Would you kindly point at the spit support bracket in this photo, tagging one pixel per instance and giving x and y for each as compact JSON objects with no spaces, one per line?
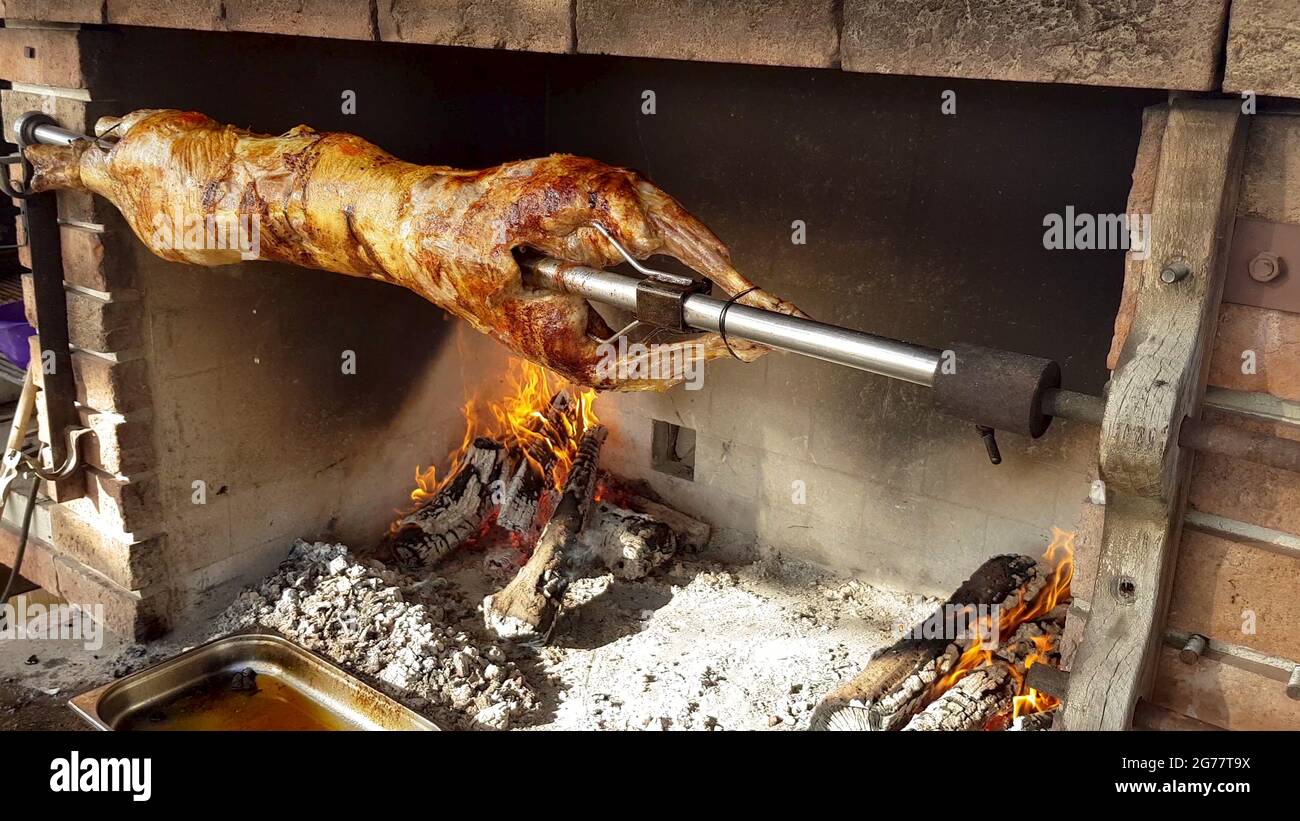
{"x":24,"y":134}
{"x":40,"y":214}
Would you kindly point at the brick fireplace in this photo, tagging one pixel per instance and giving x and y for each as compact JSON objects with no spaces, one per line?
{"x":226,"y":428}
{"x":225,"y":425}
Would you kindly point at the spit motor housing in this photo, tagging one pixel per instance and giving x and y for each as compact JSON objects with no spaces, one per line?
{"x":998,"y":389}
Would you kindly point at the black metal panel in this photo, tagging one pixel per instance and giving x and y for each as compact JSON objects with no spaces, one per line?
{"x":920,"y":226}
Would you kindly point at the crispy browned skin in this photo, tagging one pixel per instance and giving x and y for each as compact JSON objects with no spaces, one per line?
{"x":336,"y":202}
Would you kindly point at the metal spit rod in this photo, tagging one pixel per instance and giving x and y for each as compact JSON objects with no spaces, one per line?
{"x":855,"y":349}
{"x":52,"y":134}
{"x":881,"y":355}
{"x":867,"y":352}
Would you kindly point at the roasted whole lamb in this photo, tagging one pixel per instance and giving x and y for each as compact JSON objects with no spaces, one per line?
{"x":336,"y":202}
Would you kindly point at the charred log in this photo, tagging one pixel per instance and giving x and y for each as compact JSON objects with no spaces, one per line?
{"x":692,"y":534}
{"x":969,"y":703}
{"x":428,"y":534}
{"x":626,"y":543}
{"x":526,"y":609}
{"x":1034,"y":722}
{"x":1049,"y":679}
{"x":891,"y":688}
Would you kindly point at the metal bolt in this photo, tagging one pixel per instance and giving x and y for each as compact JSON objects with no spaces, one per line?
{"x":1174,"y":271}
{"x":1293,"y":686}
{"x":1191,"y":652}
{"x":1266,"y":266}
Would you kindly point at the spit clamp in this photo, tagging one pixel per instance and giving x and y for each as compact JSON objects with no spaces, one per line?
{"x":660,"y":296}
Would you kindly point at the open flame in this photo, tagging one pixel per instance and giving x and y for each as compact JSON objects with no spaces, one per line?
{"x":1060,"y":555}
{"x":525,"y":421}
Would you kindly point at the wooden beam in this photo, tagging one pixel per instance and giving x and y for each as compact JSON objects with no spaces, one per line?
{"x":1160,"y":379}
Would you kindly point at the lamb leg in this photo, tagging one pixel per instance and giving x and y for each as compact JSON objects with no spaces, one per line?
{"x":338,"y":203}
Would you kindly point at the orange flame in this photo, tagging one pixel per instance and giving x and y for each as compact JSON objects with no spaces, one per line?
{"x":520,"y":421}
{"x":1060,"y":554}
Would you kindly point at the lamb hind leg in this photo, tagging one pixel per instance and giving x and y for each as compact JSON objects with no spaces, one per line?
{"x":645,"y":221}
{"x":688,"y":241}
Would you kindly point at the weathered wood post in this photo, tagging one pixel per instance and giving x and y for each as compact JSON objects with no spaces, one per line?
{"x":1159,"y":380}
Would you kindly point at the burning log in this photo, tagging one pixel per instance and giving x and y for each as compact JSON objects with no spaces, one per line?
{"x":428,"y":534}
{"x":969,"y":703}
{"x":1048,"y":679}
{"x":629,"y":544}
{"x":1034,"y":722}
{"x":897,"y":679}
{"x":527,"y":485}
{"x":527,"y":608}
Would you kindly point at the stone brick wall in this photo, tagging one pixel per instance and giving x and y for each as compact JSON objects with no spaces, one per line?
{"x":1263,"y":53}
{"x":108,"y":541}
{"x":1165,"y":43}
{"x":1175,"y":44}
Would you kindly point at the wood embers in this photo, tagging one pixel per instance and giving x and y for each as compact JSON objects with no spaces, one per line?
{"x":964,"y":668}
{"x":509,"y":490}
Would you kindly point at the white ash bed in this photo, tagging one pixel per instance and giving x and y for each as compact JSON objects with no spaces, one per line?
{"x":697,"y":646}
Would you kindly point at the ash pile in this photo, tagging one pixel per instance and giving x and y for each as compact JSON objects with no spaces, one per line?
{"x":390,"y":627}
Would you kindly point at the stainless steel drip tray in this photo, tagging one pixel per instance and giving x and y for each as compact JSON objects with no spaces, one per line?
{"x":251,"y":680}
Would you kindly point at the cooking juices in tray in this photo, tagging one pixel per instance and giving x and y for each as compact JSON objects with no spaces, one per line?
{"x":244,"y":701}
{"x":248,"y":681}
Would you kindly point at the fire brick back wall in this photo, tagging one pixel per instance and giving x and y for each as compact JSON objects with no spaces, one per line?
{"x":250,"y":388}
{"x":919,"y":225}
{"x":227,"y":424}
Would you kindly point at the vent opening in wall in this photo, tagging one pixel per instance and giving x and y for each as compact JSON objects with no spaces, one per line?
{"x":672,"y":450}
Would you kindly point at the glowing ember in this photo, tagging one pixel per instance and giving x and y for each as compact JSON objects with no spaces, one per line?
{"x":611,"y":491}
{"x":524,"y":421}
{"x":1060,"y":555}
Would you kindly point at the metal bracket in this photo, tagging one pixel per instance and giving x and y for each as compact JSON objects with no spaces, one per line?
{"x":6,"y":184}
{"x":1264,"y":265}
{"x":661,"y":296}
{"x":662,"y":304}
{"x":59,"y":390}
